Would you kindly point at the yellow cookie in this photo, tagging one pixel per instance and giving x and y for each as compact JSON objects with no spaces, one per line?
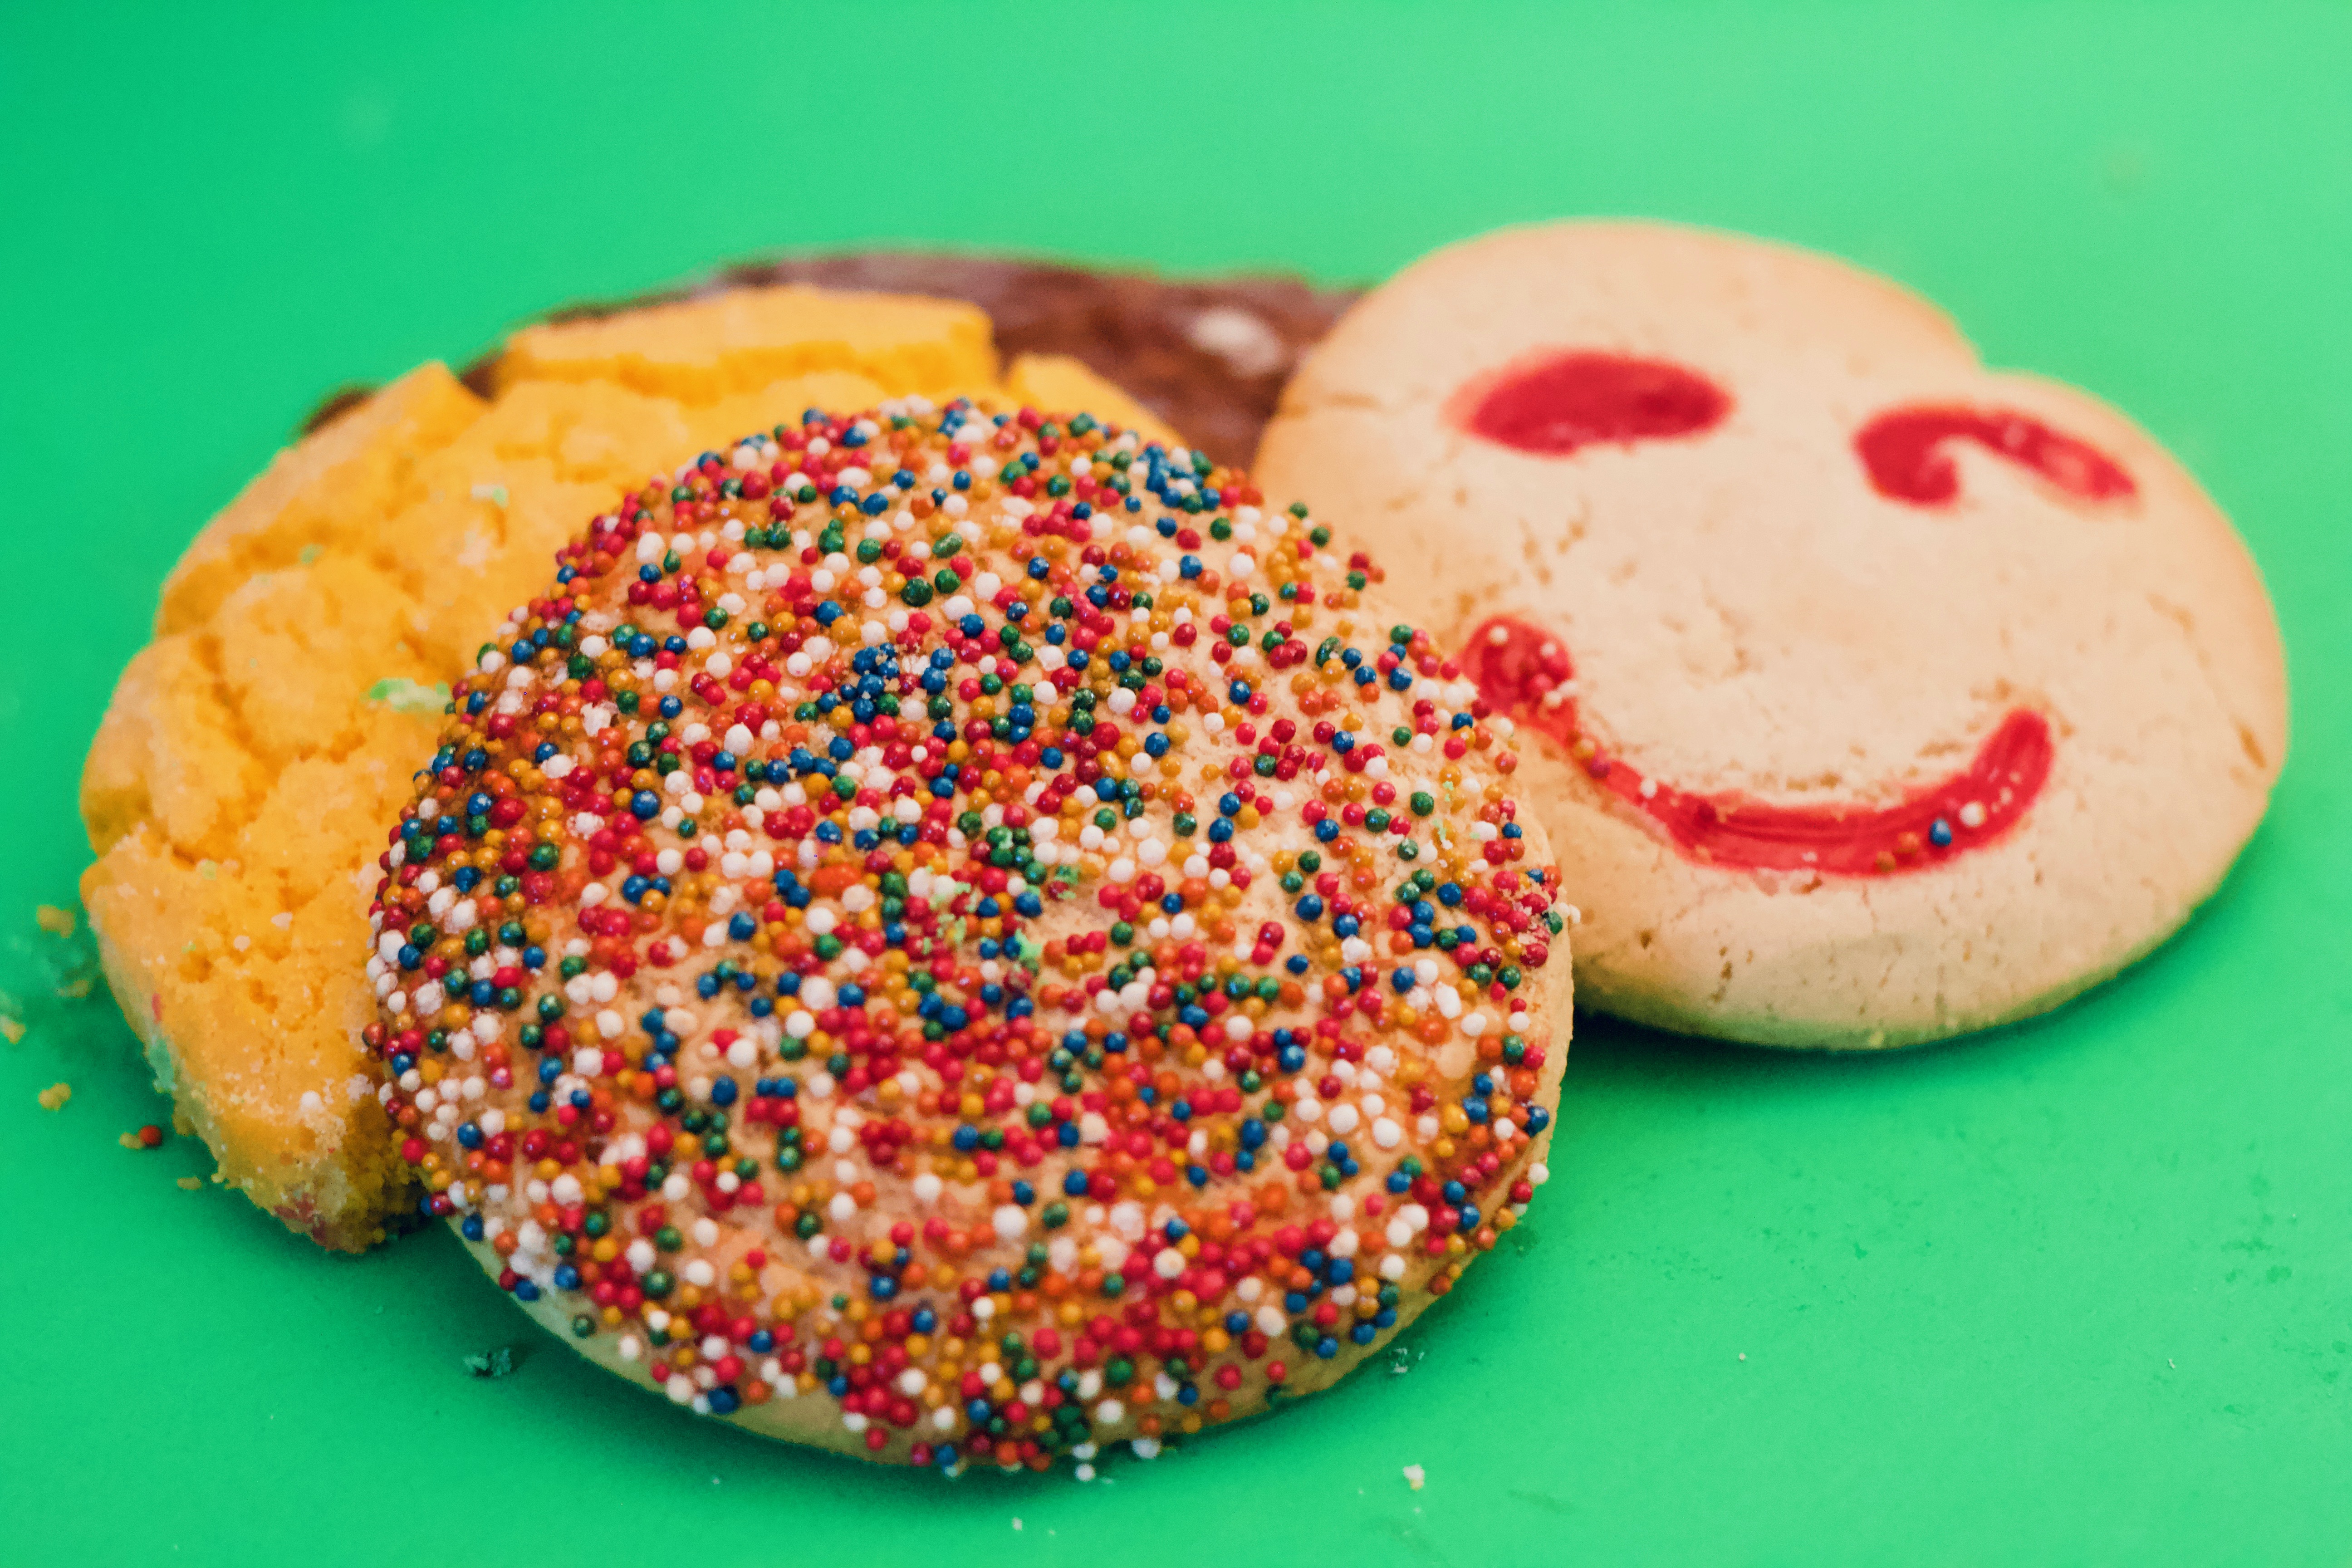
{"x":237,"y":789}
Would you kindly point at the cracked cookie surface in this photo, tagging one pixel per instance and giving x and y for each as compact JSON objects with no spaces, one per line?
{"x":237,"y":787}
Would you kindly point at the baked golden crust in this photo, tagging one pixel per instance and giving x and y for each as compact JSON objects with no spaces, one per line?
{"x":241,"y":776}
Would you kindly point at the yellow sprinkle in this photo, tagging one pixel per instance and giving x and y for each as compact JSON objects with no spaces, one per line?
{"x":55,"y":921}
{"x":53,"y":1097}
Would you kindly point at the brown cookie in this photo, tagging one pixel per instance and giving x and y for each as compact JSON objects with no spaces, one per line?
{"x":1208,"y":356}
{"x":238,"y":788}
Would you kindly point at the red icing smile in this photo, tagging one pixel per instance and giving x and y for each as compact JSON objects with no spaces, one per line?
{"x":1519,"y":667}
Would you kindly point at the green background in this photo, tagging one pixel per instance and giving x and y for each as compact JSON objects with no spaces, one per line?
{"x":2080,"y":1291}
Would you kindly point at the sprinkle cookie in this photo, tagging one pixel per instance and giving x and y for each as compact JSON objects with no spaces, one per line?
{"x":958,"y":937}
{"x":1872,"y":696}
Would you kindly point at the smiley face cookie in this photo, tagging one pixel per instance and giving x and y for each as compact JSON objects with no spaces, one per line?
{"x":1875,"y":696}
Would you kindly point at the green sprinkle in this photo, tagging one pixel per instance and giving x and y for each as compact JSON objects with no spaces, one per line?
{"x":403,"y":695}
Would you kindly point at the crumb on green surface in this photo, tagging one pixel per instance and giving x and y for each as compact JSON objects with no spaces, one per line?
{"x":39,"y":975}
{"x":53,"y":1097}
{"x":497,"y":1362}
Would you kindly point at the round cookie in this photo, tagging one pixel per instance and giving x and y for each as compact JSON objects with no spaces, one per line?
{"x":1873,"y":696}
{"x":960,"y":937}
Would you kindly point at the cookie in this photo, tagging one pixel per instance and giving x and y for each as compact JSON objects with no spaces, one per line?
{"x":955,"y":938}
{"x":1872,"y":696}
{"x":238,"y":789}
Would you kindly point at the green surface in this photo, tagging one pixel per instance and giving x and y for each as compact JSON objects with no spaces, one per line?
{"x":2078,"y":1293}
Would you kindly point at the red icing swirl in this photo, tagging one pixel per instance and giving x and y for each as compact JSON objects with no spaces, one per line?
{"x":1555,"y":402}
{"x":1521,"y":668}
{"x":1903,"y":450}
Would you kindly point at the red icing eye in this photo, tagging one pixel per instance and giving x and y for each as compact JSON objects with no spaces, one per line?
{"x":1903,"y":450}
{"x":1556,"y":402}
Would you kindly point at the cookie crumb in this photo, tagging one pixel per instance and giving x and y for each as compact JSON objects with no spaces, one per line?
{"x":499,"y":1362}
{"x":1415,"y":1475}
{"x":53,"y":1097}
{"x":192,"y":1183}
{"x":37,"y":973}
